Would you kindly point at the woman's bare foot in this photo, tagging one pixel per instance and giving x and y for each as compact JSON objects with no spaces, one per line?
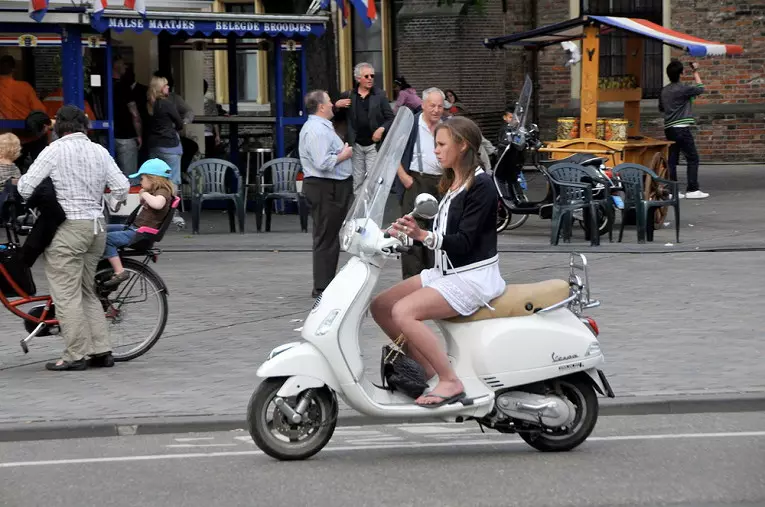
{"x":445,"y":391}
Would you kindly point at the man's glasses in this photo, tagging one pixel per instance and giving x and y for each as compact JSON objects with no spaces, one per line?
{"x":369,"y":76}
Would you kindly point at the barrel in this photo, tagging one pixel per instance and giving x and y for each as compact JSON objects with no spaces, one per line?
{"x":618,"y":128}
{"x":568,"y":128}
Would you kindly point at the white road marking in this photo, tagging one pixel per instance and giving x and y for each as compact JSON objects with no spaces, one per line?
{"x":426,"y":429}
{"x":189,"y":446}
{"x":193,"y":439}
{"x":404,"y":445}
{"x":365,"y":441}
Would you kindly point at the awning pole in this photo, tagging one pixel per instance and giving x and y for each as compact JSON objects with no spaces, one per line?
{"x":278,"y":62}
{"x":303,"y":78}
{"x":71,"y":66}
{"x":233,"y":99}
{"x":110,"y":93}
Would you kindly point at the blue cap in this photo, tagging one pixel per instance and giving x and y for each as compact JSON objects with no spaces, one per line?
{"x":155,"y":167}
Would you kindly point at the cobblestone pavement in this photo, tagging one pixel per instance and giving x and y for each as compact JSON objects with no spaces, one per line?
{"x":685,"y":322}
{"x":675,"y":323}
{"x":732,"y":218}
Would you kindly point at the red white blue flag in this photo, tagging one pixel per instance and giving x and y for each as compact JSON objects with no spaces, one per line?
{"x":138,"y":6}
{"x":366,"y":9}
{"x":37,"y":9}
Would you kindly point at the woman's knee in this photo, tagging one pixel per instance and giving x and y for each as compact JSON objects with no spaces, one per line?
{"x":401,"y":313}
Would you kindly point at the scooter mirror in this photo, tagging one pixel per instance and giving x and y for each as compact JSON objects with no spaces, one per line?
{"x":425,"y":206}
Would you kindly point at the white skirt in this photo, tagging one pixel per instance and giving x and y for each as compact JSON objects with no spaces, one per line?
{"x":466,"y":292}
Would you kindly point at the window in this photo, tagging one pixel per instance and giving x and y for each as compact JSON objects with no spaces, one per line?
{"x":613,"y":46}
{"x":368,"y":43}
{"x":246,"y":61}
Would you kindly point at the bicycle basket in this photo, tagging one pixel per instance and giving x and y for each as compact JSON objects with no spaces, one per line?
{"x":14,"y":271}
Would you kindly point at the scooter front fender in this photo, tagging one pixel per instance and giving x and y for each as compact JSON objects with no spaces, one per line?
{"x":302,"y":360}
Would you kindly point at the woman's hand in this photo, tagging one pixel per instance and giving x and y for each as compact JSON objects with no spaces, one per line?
{"x":408,"y":225}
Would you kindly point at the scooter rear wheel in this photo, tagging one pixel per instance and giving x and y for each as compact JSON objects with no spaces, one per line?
{"x":275,"y":435}
{"x":579,"y":391}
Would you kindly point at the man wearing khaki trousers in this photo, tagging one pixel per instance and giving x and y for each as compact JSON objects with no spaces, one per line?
{"x":79,"y":170}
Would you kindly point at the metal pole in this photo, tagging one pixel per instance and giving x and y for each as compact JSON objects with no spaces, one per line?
{"x":303,"y":77}
{"x":233,"y":98}
{"x":279,"y":82}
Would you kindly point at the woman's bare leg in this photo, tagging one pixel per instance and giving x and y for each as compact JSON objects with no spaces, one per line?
{"x":408,"y":315}
{"x":382,"y":307}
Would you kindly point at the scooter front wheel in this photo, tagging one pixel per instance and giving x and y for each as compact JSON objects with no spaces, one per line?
{"x":277,"y":435}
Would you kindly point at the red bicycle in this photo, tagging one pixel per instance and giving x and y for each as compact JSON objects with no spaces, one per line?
{"x":136,"y":310}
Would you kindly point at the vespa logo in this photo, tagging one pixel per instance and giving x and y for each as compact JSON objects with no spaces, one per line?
{"x":558,"y":359}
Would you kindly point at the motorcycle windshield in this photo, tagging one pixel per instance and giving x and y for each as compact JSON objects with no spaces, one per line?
{"x":521,"y":112}
{"x":373,"y":195}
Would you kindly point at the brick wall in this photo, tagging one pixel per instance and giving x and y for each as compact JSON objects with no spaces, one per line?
{"x":730,"y":116}
{"x":446,"y":50}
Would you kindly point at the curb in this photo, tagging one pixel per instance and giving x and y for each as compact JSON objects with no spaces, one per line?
{"x":622,"y":406}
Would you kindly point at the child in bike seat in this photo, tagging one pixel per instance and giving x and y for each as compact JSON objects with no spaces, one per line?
{"x":156,"y":195}
{"x":10,"y":149}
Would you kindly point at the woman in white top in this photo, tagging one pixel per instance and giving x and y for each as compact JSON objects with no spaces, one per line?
{"x":466,"y":273}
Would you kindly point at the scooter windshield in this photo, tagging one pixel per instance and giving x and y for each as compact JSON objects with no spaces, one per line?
{"x":521,"y":112}
{"x":373,"y":195}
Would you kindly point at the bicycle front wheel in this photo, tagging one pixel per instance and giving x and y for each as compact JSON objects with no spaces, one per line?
{"x":136,"y":310}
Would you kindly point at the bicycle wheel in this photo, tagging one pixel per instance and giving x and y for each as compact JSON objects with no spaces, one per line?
{"x":136,"y":310}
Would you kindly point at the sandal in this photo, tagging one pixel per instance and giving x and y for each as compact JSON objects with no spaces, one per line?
{"x":445,"y":400}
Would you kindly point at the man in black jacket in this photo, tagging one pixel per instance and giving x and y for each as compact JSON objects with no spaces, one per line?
{"x":369,"y":117}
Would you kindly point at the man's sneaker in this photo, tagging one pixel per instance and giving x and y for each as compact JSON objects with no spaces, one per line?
{"x":696,"y":194}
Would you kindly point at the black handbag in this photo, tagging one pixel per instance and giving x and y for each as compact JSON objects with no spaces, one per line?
{"x":17,"y":271}
{"x":400,"y":372}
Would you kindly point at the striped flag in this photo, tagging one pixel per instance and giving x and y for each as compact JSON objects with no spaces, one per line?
{"x":37,"y":9}
{"x":366,"y":9}
{"x":98,"y":8}
{"x":136,"y":5}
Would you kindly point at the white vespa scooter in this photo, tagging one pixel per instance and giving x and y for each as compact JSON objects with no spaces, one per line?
{"x":529,"y":365}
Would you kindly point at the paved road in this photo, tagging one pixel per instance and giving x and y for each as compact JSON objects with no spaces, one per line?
{"x":645,"y":461}
{"x":682,"y":323}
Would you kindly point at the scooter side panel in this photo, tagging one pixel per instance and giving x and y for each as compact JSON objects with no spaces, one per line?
{"x":513,"y":351}
{"x":334,"y":322}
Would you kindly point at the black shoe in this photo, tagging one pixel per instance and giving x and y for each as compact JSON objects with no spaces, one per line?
{"x":79,"y":365}
{"x":116,"y":280}
{"x":105,"y":360}
{"x":316,"y":293}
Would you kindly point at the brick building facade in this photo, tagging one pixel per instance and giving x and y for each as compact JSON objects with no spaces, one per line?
{"x":442,"y":46}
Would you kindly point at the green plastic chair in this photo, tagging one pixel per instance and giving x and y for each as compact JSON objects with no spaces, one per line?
{"x":634,"y":178}
{"x":208,"y":182}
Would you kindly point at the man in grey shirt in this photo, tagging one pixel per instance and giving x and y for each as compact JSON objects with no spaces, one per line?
{"x":675,"y":102}
{"x":327,"y":185}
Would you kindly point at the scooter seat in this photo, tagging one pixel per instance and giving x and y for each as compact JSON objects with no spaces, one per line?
{"x":520,"y":301}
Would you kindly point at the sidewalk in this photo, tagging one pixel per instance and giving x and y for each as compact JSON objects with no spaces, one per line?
{"x":733,"y":218}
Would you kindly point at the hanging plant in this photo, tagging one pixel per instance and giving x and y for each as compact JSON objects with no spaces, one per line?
{"x":290,"y":75}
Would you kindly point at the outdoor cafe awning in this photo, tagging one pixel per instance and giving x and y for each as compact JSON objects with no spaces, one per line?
{"x":211,"y":23}
{"x":574,"y":29}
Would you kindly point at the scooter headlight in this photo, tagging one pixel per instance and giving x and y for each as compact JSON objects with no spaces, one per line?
{"x":347,"y":237}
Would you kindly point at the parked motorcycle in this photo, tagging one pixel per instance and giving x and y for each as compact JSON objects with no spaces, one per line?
{"x":530,"y":366}
{"x":514,"y":206}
